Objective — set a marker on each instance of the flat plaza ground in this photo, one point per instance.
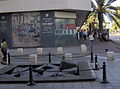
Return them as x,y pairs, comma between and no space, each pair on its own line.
113,68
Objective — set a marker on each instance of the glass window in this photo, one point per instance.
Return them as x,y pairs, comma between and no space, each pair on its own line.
65,26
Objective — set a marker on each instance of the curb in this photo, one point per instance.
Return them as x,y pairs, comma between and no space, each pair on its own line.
116,43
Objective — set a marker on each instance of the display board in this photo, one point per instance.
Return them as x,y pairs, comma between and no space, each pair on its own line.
48,29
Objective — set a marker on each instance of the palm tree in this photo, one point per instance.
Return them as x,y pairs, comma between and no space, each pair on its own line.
102,8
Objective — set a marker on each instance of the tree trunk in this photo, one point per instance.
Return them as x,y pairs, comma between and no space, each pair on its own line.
100,18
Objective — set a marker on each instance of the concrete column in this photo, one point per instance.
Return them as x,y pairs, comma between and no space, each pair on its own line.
68,56
110,55
39,50
59,50
33,59
20,50
83,48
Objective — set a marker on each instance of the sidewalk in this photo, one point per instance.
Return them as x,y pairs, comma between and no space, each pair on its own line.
113,73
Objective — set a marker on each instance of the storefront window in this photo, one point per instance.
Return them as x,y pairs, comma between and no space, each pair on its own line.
65,31
65,26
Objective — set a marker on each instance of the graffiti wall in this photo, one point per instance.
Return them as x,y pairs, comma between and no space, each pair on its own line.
26,29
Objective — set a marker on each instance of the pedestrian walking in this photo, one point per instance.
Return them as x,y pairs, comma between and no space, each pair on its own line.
91,38
81,34
84,34
4,51
95,35
77,35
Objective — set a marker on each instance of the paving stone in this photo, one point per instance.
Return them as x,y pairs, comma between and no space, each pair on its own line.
116,86
87,88
77,85
67,85
49,86
58,86
98,87
86,84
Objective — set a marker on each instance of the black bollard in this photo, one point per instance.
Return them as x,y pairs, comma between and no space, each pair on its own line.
96,63
92,57
49,57
104,74
63,57
78,70
8,58
106,50
30,83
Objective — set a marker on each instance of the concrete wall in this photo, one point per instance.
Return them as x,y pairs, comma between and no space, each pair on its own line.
34,5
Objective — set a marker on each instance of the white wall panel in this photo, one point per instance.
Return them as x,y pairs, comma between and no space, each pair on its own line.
65,15
32,5
80,4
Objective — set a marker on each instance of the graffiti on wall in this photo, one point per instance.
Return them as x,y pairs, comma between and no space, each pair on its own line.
26,29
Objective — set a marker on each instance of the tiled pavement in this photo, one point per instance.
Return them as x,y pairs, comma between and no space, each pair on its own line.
113,73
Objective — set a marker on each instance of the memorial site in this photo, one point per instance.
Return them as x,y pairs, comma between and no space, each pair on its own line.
45,49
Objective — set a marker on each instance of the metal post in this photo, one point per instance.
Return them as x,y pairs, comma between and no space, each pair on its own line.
8,58
49,57
63,57
92,57
96,63
104,74
30,83
106,50
78,72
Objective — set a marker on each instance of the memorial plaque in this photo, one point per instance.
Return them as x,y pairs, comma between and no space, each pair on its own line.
48,28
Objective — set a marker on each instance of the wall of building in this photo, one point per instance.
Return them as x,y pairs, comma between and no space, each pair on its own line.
34,5
33,29
5,28
31,23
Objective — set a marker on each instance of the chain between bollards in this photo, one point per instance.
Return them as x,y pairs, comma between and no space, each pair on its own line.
30,83
92,57
104,74
49,57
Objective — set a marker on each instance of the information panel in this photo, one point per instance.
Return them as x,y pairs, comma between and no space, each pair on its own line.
48,29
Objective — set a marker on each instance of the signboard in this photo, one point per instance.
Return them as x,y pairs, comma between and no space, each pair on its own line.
47,25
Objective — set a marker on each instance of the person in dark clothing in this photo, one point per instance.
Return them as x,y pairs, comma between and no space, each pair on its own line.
84,34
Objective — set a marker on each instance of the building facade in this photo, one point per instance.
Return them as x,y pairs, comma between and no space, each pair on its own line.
47,23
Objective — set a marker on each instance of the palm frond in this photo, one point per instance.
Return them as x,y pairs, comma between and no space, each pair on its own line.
109,2
94,3
113,8
93,6
113,14
107,14
101,2
117,16
114,19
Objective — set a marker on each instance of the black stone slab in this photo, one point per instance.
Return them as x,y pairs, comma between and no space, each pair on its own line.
85,74
7,68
